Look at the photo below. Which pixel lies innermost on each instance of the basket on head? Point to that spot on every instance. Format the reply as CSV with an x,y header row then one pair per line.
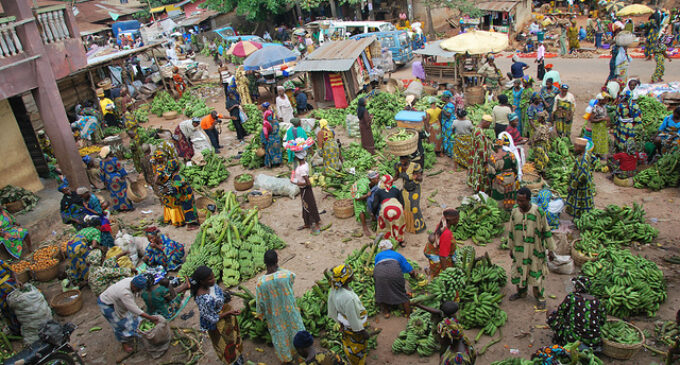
x,y
67,303
343,208
47,274
532,181
622,351
243,185
405,147
579,257
137,190
261,201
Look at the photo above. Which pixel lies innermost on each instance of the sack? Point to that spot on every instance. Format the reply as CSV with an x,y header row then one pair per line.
x,y
563,265
157,340
317,160
31,309
242,115
278,186
415,88
352,122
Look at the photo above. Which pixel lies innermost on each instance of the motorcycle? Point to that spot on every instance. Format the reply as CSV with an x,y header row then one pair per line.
x,y
52,348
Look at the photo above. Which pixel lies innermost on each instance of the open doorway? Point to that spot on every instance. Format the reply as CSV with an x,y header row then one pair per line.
x,y
30,138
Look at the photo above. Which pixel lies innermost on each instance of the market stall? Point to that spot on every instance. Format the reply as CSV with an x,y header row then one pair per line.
x,y
439,65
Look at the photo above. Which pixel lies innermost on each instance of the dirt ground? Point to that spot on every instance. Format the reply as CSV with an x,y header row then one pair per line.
x,y
310,255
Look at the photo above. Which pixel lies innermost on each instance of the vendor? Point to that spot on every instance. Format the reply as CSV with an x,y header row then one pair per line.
x,y
440,249
362,190
668,136
103,274
162,299
456,347
624,164
108,108
78,248
118,306
12,236
294,132
71,207
390,285
178,81
91,203
345,308
491,74
163,251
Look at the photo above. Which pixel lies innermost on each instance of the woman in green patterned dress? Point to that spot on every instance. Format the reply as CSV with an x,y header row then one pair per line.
x,y
581,188
330,151
660,57
502,170
412,174
599,121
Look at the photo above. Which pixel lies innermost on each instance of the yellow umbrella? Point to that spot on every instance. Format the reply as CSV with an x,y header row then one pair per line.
x,y
476,42
635,9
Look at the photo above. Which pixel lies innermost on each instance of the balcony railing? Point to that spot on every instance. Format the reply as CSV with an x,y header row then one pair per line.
x,y
9,42
52,22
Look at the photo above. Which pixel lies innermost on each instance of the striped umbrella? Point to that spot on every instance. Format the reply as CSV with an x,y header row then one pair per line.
x,y
243,48
615,6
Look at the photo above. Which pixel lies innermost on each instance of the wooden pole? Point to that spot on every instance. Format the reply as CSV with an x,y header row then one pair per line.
x,y
94,88
165,86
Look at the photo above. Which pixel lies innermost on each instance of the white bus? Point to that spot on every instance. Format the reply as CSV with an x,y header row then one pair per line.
x,y
338,29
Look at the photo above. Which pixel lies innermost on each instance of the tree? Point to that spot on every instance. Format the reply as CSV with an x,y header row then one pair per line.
x,y
258,10
463,6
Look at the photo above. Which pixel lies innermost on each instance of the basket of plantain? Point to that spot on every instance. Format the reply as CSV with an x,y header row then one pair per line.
x,y
402,142
621,340
243,182
579,257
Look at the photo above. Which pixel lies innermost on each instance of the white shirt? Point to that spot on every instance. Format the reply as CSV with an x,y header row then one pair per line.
x,y
121,297
300,172
540,52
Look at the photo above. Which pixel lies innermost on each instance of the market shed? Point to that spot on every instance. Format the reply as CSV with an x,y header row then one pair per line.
x,y
339,69
504,16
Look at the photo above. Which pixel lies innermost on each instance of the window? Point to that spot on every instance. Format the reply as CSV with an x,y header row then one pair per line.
x,y
386,27
387,42
403,39
355,30
226,32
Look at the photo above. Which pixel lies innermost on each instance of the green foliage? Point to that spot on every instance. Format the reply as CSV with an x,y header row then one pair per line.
x,y
164,102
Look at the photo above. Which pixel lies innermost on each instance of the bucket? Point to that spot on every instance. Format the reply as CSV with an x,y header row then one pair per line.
x,y
474,95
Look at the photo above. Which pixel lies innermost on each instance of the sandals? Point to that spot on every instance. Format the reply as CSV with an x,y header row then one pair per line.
x,y
316,232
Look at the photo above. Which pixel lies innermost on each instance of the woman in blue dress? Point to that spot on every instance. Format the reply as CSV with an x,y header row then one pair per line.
x,y
270,138
113,175
163,251
448,116
517,91
77,250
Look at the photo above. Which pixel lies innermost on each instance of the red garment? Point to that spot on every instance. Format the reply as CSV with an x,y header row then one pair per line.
x,y
514,133
266,128
446,244
626,162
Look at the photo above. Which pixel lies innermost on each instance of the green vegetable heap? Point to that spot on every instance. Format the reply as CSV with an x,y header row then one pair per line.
x,y
244,178
620,332
476,111
335,117
254,122
142,113
402,135
164,102
232,243
248,158
11,193
667,332
573,356
653,113
561,165
194,107
480,220
146,325
383,106
211,174
418,336
627,285
613,226
149,135
664,173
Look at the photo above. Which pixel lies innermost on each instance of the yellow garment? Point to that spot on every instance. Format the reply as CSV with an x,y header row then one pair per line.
x,y
173,215
323,123
113,252
434,114
103,103
122,261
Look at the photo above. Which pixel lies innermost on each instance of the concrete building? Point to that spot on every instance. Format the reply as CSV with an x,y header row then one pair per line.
x,y
38,46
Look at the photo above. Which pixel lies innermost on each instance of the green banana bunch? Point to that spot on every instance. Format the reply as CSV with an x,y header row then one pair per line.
x,y
418,336
480,221
621,332
666,332
483,311
626,284
664,173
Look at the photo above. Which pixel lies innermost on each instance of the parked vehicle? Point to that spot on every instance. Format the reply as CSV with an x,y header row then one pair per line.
x,y
397,41
337,29
52,348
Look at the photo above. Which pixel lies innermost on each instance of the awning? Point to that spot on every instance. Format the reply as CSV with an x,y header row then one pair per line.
x,y
497,6
435,50
167,8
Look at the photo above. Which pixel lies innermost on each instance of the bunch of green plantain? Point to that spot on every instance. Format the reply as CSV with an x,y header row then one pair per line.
x,y
418,336
560,165
249,325
480,220
626,284
664,173
614,226
621,332
667,332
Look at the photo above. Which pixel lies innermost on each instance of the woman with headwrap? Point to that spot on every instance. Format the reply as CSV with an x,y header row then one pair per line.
x,y
77,250
88,126
365,119
572,36
103,274
325,139
599,121
563,111
668,135
447,117
503,169
628,115
541,139
621,60
270,139
361,193
390,285
456,348
242,85
535,107
178,81
388,206
412,175
581,187
435,124
71,207
172,212
310,213
304,345
129,118
180,188
547,95
440,249
344,307
579,317
462,145
524,102
482,148
216,316
12,236
181,137
284,109
118,306
114,177
163,251
295,131
660,56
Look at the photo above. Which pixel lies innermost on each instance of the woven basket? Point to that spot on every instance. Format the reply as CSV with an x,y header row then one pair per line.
x,y
260,201
579,257
622,351
23,276
47,274
170,115
626,183
137,191
403,148
532,181
202,206
259,152
343,208
15,206
64,306
241,186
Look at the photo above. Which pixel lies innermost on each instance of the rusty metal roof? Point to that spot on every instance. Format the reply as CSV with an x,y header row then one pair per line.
x,y
335,56
497,6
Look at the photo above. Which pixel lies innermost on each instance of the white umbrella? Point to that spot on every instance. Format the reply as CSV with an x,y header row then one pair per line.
x,y
476,42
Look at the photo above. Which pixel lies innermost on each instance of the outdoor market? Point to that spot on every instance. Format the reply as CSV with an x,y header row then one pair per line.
x,y
498,191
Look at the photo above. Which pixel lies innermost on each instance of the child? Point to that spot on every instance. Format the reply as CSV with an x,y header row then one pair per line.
x,y
162,299
105,228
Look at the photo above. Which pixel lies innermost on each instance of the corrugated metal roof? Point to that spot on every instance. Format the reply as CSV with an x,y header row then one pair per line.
x,y
335,56
433,49
497,6
195,19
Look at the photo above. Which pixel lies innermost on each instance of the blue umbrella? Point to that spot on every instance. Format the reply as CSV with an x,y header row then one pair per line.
x,y
268,57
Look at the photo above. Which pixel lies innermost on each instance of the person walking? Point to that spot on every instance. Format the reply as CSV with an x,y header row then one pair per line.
x,y
412,175
284,108
325,139
310,213
269,138
114,177
294,132
208,125
234,109
275,302
344,307
529,237
482,147
581,189
435,124
448,115
365,120
660,56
